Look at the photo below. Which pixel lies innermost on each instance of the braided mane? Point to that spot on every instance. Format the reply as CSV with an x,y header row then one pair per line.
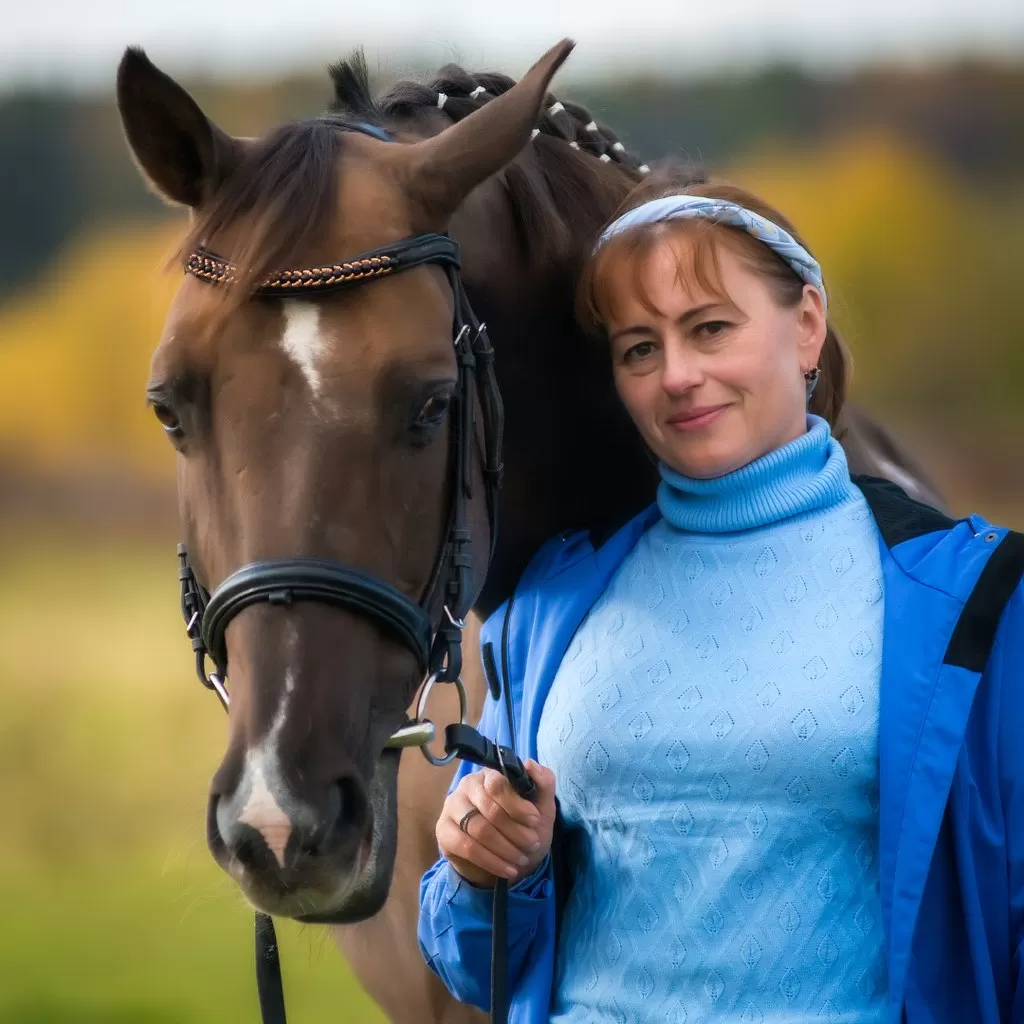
x,y
459,93
572,176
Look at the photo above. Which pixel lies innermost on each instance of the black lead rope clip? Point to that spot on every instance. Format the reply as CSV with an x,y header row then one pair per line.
x,y
466,743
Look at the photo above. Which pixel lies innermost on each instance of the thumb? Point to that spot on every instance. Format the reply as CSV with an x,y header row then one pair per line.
x,y
544,780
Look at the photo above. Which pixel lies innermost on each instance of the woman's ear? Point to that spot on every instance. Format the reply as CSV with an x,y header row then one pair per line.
x,y
813,326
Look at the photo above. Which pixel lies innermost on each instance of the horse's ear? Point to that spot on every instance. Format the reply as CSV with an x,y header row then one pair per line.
x,y
182,154
442,170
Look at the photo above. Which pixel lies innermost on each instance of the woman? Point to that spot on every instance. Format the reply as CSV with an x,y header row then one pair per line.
x,y
781,710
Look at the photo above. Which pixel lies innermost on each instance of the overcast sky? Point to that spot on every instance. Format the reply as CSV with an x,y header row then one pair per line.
x,y
79,41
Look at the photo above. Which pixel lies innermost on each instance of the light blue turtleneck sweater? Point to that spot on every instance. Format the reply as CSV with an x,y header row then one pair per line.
x,y
713,731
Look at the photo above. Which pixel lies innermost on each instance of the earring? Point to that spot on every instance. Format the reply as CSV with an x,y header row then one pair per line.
x,y
811,378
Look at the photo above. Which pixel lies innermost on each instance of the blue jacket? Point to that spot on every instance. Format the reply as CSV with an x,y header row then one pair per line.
x,y
951,743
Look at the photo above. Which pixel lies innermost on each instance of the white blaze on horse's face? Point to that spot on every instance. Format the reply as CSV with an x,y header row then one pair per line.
x,y
303,342
262,800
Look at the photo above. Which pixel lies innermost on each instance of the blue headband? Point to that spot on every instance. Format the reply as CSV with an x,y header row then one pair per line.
x,y
721,211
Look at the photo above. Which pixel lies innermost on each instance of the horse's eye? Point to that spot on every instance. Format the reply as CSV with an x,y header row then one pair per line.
x,y
433,411
168,420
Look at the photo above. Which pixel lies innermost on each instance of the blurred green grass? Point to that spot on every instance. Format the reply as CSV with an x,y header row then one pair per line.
x,y
111,907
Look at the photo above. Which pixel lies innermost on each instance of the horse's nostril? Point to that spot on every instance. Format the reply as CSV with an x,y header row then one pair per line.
x,y
249,848
318,840
355,808
346,812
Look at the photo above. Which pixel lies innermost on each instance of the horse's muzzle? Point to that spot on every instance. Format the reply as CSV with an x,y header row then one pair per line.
x,y
276,844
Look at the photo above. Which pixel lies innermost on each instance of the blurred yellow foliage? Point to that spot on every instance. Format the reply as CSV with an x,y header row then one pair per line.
x,y
922,269
922,272
74,355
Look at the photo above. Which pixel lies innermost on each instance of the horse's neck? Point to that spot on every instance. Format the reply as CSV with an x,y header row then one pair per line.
x,y
572,458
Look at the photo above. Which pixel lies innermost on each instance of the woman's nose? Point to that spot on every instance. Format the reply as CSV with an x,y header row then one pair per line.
x,y
681,371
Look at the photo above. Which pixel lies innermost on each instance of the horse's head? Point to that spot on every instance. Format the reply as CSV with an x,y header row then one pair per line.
x,y
314,427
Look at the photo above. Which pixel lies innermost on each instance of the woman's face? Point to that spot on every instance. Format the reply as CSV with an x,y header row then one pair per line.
x,y
712,384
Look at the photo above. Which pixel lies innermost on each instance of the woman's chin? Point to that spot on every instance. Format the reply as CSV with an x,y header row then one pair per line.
x,y
703,459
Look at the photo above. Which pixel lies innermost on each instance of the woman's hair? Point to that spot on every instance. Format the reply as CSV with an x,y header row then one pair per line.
x,y
629,251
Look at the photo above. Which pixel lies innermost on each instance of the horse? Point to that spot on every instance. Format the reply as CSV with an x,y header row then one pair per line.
x,y
322,425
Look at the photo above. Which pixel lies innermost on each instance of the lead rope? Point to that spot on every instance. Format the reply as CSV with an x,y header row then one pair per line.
x,y
524,786
499,910
269,986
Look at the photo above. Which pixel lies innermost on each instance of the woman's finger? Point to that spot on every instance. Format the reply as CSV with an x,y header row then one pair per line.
x,y
503,792
457,845
544,779
490,798
492,837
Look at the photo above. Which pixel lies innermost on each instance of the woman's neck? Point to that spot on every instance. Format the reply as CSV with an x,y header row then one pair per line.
x,y
806,475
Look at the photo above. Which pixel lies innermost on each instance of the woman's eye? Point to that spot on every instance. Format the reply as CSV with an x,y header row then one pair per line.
x,y
433,410
168,419
639,351
712,328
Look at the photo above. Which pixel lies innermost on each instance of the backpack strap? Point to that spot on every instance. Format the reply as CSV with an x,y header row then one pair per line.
x,y
975,631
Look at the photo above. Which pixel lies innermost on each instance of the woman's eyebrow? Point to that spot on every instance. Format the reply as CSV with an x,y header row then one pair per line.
x,y
692,314
626,331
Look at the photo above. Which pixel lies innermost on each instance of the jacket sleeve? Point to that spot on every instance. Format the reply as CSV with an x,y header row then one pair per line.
x,y
454,930
1010,651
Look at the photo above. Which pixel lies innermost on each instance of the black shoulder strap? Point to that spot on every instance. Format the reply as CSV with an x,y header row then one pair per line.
x,y
975,632
899,517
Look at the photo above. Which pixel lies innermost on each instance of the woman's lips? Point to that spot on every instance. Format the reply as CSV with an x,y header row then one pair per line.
x,y
696,419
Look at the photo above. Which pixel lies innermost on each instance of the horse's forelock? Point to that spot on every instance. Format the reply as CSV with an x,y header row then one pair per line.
x,y
283,193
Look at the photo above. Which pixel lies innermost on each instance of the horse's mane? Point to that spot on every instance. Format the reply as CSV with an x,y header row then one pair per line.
x,y
284,190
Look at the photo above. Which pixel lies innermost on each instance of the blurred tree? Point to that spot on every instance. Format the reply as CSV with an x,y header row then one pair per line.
x,y
64,165
42,202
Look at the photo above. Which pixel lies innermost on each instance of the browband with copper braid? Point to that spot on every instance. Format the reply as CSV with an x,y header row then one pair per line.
x,y
386,259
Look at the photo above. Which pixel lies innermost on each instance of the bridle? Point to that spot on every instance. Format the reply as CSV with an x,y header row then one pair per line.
x,y
432,627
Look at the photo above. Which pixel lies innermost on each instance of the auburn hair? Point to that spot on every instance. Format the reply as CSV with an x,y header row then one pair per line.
x,y
627,253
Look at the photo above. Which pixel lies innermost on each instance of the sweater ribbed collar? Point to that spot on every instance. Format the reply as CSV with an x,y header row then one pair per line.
x,y
808,474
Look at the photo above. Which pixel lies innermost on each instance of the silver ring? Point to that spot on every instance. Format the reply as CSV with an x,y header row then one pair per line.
x,y
421,707
466,819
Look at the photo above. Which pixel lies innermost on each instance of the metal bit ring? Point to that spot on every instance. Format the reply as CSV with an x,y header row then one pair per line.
x,y
421,708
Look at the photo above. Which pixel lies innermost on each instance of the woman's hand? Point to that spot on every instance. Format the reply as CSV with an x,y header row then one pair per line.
x,y
502,835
